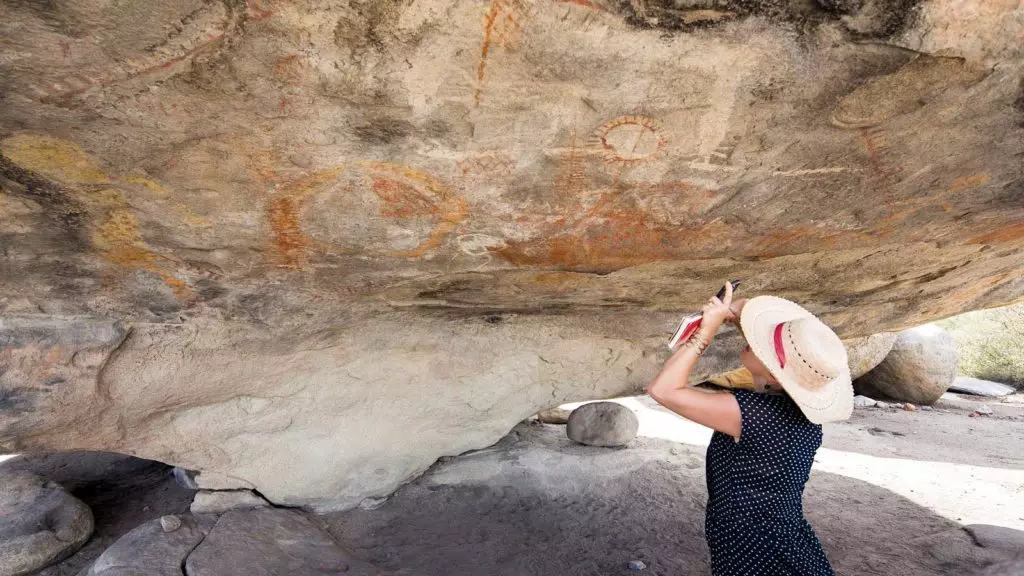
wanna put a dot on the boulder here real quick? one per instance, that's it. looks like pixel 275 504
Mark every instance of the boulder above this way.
pixel 607 424
pixel 270 541
pixel 152 550
pixel 40 524
pixel 920 367
pixel 978 387
pixel 239 542
pixel 863 354
pixel 218 501
pixel 554 416
pixel 863 402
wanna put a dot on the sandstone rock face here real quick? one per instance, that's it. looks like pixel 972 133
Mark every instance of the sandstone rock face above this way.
pixel 40 524
pixel 554 416
pixel 218 501
pixel 602 424
pixel 920 367
pixel 325 419
pixel 249 238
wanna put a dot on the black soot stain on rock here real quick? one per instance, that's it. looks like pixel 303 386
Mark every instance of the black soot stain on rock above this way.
pixel 16 400
pixel 55 199
pixel 383 130
pixel 880 18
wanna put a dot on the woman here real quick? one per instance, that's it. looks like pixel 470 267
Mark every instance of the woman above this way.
pixel 764 443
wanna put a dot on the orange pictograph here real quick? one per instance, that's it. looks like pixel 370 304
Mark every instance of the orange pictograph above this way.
pixel 405 192
pixel 200 32
pixel 404 195
pixel 503 25
pixel 630 140
pixel 487 164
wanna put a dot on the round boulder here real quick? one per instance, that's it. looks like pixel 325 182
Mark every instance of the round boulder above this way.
pixel 604 424
pixel 40 523
pixel 865 353
pixel 919 368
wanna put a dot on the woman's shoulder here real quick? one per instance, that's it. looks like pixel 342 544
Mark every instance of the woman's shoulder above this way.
pixel 779 409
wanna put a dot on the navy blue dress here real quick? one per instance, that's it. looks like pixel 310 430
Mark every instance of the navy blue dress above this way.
pixel 755 522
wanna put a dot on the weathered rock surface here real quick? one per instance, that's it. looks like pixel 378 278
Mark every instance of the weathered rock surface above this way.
pixel 40 523
pixel 977 387
pixel 554 416
pixel 1008 568
pixel 149 550
pixel 270 541
pixel 605 424
pixel 863 354
pixel 920 367
pixel 219 501
pixel 123 492
pixel 240 542
pixel 206 397
pixel 246 238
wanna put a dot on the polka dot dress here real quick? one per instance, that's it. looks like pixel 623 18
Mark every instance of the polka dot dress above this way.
pixel 755 522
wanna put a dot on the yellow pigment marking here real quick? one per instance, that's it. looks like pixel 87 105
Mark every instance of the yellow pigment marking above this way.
pixel 54 158
pixel 115 232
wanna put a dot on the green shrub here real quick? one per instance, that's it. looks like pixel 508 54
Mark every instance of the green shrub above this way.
pixel 990 343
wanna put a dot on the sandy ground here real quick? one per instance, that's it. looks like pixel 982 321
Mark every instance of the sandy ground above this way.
pixel 892 493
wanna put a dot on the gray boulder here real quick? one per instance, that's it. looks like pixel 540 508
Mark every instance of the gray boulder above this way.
pixel 152 550
pixel 865 353
pixel 604 424
pixel 264 541
pixel 863 402
pixel 978 387
pixel 554 416
pixel 40 523
pixel 919 368
pixel 269 541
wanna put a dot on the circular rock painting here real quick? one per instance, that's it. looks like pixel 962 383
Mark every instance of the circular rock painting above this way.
pixel 630 140
pixel 382 208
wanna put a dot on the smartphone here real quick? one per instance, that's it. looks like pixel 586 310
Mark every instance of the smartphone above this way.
pixel 735 285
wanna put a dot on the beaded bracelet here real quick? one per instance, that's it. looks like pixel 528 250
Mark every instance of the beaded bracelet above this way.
pixel 697 343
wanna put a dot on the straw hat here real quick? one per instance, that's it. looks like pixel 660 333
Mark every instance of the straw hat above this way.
pixel 804 355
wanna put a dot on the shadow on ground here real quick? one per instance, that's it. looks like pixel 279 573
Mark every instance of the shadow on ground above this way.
pixel 538 504
pixel 123 492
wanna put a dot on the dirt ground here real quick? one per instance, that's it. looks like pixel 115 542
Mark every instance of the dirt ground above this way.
pixel 893 493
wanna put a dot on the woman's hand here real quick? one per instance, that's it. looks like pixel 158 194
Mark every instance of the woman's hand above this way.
pixel 717 312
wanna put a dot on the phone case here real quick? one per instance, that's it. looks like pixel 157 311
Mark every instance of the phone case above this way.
pixel 687 326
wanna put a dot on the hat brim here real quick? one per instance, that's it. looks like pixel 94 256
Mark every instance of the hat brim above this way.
pixel 828 403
